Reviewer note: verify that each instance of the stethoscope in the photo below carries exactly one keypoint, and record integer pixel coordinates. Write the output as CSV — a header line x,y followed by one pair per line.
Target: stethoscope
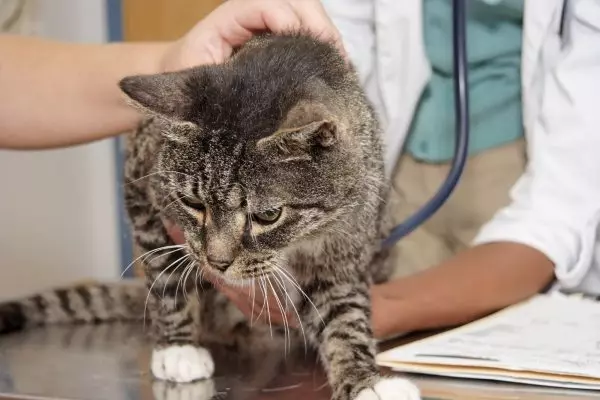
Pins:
x,y
461,105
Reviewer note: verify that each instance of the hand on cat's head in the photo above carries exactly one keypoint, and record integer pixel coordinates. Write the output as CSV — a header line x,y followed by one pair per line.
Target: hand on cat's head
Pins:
x,y
233,23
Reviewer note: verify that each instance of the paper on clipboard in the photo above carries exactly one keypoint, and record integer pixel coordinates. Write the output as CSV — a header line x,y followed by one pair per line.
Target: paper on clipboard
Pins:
x,y
547,340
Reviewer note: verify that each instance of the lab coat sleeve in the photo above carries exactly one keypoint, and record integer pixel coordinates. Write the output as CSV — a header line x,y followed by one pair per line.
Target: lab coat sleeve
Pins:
x,y
555,205
354,19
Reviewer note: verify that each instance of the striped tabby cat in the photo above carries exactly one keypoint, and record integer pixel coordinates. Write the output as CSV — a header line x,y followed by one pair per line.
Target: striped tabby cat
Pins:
x,y
271,164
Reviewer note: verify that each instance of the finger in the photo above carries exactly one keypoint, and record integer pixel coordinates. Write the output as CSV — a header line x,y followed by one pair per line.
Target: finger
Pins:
x,y
314,18
276,16
260,312
248,17
240,294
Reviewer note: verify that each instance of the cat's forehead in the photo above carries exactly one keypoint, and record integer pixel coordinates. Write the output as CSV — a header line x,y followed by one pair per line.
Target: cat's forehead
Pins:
x,y
244,109
229,178
233,197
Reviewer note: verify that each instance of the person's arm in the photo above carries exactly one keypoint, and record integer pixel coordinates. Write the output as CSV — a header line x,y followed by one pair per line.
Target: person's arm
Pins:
x,y
59,94
470,285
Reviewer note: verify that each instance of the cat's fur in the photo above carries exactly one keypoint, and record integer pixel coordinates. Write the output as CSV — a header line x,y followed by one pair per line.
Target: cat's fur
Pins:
x,y
283,125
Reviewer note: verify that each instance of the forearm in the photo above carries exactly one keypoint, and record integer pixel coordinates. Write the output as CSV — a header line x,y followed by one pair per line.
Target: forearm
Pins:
x,y
472,284
58,94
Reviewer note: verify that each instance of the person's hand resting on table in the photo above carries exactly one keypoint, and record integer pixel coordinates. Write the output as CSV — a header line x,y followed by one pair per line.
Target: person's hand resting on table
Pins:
x,y
60,94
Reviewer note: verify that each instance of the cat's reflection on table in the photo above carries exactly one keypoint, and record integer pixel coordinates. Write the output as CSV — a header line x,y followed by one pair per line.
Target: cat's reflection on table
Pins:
x,y
293,387
201,390
97,362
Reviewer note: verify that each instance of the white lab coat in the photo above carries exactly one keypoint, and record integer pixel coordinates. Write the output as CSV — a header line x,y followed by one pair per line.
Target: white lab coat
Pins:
x,y
555,205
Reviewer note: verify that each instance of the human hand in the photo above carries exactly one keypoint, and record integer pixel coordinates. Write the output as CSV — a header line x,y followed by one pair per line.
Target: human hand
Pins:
x,y
260,304
234,22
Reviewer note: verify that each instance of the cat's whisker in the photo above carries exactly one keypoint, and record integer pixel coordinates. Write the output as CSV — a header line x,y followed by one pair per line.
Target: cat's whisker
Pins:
x,y
152,174
286,325
282,284
163,209
148,253
268,308
175,265
201,278
197,281
177,247
292,280
253,283
187,277
266,300
179,281
183,279
154,283
181,262
154,257
286,328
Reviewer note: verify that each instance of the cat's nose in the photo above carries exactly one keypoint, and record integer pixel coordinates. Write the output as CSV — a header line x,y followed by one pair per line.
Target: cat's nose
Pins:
x,y
221,265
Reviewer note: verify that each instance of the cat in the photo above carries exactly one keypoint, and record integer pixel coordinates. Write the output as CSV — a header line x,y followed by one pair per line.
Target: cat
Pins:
x,y
271,164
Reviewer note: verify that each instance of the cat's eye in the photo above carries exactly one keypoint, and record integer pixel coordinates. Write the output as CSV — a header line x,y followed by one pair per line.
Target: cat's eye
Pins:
x,y
267,217
193,203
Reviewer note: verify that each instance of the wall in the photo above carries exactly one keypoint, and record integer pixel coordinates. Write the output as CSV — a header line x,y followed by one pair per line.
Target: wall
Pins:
x,y
58,208
162,20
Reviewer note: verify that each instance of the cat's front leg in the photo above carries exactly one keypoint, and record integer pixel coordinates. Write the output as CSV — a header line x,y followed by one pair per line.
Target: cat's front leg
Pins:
x,y
338,324
176,356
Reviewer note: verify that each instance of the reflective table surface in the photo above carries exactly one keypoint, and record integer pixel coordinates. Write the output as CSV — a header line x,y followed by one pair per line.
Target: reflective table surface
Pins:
x,y
111,362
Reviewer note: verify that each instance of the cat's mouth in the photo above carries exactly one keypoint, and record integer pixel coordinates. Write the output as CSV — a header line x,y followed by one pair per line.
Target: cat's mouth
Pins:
x,y
238,273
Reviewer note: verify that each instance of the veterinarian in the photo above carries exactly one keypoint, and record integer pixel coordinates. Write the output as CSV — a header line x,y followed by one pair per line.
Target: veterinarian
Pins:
x,y
60,94
527,211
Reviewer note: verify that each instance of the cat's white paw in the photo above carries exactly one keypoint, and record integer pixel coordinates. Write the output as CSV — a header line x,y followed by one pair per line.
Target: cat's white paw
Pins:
x,y
202,390
391,389
182,363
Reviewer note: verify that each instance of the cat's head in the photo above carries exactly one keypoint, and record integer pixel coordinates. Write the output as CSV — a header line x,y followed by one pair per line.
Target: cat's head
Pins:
x,y
261,153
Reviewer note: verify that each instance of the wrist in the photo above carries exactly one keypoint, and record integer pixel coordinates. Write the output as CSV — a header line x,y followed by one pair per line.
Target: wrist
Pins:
x,y
153,58
473,283
134,59
169,56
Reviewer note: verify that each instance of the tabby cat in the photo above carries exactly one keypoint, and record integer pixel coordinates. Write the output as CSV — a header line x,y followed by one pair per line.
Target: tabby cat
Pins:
x,y
271,164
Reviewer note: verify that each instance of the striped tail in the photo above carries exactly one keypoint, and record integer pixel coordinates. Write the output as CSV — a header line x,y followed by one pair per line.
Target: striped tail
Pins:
x,y
84,303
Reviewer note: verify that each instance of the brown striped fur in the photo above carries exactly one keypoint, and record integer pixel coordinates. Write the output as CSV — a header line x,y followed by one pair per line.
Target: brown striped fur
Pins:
x,y
89,302
271,164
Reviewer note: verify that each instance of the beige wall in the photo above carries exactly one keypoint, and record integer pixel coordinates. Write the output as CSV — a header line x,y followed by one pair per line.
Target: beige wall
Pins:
x,y
162,19
58,220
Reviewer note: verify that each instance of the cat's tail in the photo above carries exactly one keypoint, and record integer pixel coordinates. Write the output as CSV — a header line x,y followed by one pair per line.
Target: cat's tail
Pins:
x,y
83,303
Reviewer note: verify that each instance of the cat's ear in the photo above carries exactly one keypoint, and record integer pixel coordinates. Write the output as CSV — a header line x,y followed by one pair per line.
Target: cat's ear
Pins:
x,y
159,94
307,129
